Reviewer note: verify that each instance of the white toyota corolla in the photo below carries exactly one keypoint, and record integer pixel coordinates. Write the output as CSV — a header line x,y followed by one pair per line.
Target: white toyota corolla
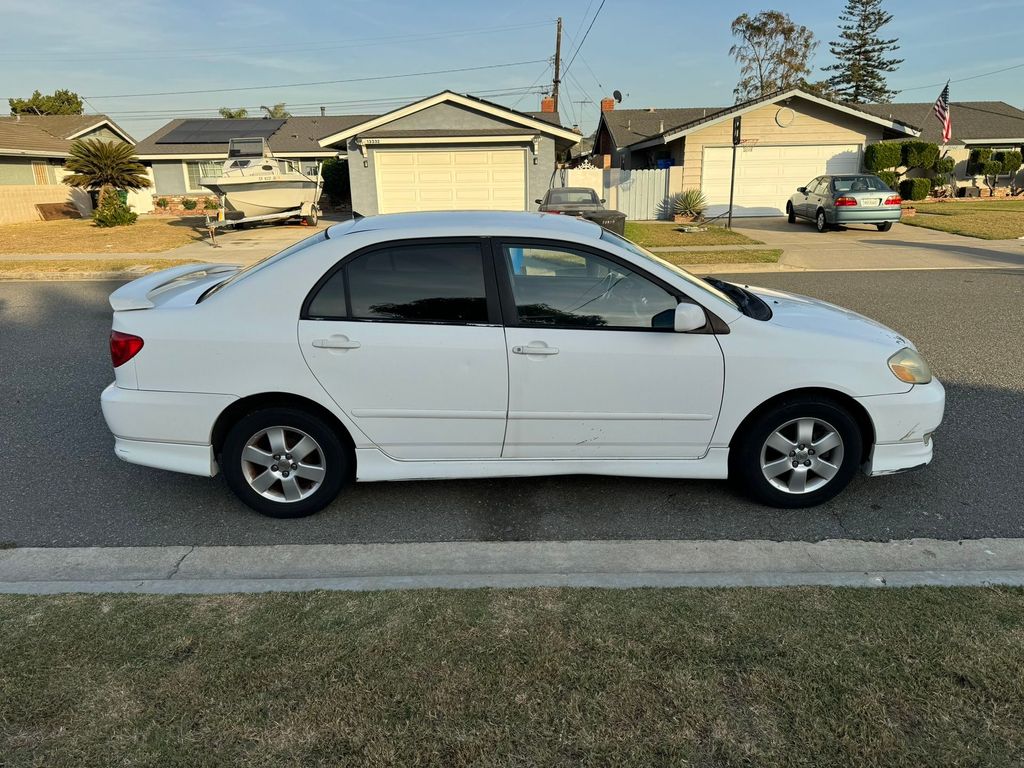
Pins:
x,y
467,345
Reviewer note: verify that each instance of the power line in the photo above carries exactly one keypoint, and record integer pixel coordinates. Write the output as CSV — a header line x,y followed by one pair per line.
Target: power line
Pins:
x,y
320,82
963,79
278,48
584,38
539,77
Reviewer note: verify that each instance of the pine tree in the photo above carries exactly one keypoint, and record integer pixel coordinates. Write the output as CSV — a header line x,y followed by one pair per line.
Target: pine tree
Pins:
x,y
862,57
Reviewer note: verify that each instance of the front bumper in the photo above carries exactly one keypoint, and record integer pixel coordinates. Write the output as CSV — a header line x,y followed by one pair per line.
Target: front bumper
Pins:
x,y
904,424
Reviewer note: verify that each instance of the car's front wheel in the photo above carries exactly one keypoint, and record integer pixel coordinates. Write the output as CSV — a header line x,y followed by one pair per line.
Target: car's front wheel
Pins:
x,y
820,222
285,462
797,454
790,213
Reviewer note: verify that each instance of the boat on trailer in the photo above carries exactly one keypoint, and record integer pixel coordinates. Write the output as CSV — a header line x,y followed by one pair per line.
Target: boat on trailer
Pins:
x,y
254,185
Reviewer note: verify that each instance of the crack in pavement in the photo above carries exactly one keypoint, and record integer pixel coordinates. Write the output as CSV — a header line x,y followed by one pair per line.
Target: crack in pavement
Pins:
x,y
177,565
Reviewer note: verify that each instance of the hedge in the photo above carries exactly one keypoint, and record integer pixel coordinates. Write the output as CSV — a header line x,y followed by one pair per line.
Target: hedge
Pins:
x,y
919,154
915,189
891,178
882,156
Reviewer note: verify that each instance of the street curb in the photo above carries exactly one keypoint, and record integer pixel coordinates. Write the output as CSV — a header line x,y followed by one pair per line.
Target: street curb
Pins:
x,y
459,565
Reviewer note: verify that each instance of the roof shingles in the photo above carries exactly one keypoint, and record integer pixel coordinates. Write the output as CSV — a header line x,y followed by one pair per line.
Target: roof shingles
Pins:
x,y
49,134
971,120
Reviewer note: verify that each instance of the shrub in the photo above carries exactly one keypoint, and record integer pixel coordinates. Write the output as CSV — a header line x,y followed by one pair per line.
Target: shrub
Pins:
x,y
189,204
335,176
919,154
944,166
209,204
689,202
162,202
1010,161
113,211
915,189
882,156
977,159
891,178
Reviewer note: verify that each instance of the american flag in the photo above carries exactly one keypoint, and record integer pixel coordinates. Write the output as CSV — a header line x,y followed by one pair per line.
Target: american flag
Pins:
x,y
942,113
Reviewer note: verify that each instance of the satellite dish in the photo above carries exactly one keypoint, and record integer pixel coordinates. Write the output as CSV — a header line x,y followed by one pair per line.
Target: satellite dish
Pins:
x,y
617,95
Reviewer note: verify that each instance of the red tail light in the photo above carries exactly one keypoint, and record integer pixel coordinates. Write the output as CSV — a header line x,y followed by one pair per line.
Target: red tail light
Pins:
x,y
894,200
843,202
123,347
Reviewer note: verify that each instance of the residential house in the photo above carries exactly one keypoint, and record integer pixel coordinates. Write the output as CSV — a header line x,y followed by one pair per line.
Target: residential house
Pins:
x,y
444,152
788,138
33,149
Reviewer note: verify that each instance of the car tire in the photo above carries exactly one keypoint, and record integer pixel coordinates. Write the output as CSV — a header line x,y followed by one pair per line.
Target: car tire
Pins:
x,y
790,213
762,456
884,226
285,462
820,222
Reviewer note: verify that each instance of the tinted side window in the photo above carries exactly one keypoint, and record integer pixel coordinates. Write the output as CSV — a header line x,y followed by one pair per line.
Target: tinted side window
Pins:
x,y
559,287
423,283
329,302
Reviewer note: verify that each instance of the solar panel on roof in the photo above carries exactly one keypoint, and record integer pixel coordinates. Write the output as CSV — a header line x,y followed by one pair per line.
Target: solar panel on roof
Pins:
x,y
220,131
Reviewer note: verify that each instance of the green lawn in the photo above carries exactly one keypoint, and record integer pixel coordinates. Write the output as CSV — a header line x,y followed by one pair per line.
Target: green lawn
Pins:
x,y
585,677
758,256
657,234
985,219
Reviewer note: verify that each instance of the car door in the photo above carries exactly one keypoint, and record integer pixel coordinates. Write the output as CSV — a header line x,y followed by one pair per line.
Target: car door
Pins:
x,y
595,369
804,206
822,197
406,338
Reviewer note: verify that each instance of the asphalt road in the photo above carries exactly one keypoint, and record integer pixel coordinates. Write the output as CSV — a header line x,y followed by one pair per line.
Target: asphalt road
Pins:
x,y
60,484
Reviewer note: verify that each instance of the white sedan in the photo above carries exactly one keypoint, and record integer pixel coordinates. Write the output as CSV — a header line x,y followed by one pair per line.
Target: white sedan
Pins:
x,y
472,344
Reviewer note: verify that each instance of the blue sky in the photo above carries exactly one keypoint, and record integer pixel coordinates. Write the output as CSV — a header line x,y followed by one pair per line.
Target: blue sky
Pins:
x,y
657,53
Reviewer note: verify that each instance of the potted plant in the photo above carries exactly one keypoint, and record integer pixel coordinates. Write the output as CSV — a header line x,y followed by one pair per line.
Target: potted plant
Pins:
x,y
687,206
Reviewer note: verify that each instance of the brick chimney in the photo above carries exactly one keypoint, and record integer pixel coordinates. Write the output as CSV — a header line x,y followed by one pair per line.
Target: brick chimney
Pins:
x,y
547,104
607,104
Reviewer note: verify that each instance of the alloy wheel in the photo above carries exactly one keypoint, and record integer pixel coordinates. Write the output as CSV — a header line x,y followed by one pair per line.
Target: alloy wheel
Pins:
x,y
801,456
283,464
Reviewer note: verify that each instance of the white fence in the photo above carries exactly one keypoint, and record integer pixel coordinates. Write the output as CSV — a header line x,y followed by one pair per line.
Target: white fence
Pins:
x,y
638,194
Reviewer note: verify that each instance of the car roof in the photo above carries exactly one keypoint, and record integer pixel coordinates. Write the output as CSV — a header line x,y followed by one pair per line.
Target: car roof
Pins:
x,y
471,223
849,175
571,189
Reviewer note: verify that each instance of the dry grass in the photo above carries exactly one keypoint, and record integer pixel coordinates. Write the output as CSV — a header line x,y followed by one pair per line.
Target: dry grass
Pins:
x,y
657,234
22,268
752,256
796,677
984,219
82,236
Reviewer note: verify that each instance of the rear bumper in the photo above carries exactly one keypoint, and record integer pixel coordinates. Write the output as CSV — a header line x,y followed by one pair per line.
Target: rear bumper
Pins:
x,y
904,425
879,215
166,430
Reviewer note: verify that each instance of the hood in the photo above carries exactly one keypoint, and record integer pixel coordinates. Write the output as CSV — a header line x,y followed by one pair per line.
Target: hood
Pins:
x,y
791,310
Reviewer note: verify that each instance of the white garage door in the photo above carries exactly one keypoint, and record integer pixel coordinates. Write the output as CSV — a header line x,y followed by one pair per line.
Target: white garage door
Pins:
x,y
443,180
766,176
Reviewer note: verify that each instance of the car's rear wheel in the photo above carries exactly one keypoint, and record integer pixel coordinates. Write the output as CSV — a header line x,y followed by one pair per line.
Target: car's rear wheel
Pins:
x,y
820,222
790,213
285,462
885,226
798,454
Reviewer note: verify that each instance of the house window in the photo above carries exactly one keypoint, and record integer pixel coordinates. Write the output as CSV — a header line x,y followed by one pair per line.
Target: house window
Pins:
x,y
194,171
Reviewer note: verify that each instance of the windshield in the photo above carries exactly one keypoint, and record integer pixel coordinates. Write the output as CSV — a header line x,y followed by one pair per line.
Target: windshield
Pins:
x,y
643,253
571,196
859,184
241,274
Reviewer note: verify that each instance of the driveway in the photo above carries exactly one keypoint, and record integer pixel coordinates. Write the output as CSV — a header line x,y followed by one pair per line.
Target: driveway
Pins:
x,y
63,486
864,247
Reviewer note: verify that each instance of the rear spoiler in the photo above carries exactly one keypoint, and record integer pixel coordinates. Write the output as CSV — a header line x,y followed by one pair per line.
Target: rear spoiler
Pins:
x,y
136,294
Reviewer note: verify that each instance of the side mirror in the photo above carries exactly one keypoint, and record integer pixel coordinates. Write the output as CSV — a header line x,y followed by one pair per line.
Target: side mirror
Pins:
x,y
689,317
603,200
538,201
802,190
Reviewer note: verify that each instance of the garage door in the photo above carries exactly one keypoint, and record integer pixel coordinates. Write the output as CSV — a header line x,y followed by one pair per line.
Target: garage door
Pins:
x,y
443,180
766,176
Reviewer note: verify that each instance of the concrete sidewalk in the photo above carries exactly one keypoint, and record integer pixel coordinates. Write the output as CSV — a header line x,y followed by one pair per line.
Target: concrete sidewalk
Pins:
x,y
617,564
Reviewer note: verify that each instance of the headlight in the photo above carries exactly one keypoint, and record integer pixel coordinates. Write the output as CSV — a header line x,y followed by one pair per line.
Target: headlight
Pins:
x,y
907,365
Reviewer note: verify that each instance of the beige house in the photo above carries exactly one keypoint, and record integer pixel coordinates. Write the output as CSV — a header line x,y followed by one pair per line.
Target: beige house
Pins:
x,y
33,149
788,138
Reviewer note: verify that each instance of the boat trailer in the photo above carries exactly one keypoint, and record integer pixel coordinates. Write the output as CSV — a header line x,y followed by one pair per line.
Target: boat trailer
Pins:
x,y
308,212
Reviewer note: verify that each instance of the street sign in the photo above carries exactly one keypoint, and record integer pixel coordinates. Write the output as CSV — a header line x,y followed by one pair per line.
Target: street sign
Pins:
x,y
736,130
736,139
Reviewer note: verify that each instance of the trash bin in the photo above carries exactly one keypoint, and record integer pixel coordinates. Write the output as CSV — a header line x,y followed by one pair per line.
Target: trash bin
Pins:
x,y
613,221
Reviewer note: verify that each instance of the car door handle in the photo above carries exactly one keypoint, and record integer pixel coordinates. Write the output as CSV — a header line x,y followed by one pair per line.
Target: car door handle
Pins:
x,y
336,342
534,349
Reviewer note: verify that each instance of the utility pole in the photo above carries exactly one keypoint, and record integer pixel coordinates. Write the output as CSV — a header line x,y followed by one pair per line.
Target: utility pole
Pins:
x,y
558,64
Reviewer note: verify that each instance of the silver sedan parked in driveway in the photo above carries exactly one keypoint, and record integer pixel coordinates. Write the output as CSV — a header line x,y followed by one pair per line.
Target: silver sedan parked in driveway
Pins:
x,y
854,198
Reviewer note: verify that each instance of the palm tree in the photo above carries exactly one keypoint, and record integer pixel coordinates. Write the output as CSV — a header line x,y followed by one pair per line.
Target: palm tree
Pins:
x,y
234,114
277,111
97,164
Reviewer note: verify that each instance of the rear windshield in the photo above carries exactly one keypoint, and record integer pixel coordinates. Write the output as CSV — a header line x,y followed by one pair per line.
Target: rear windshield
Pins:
x,y
252,269
859,184
571,196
